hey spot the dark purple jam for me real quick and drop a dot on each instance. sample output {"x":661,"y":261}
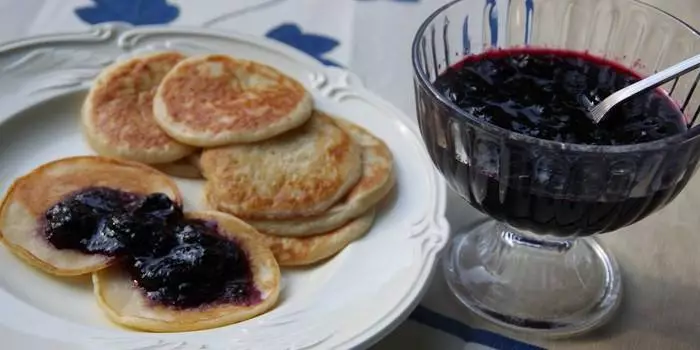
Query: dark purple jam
{"x":72,"y":223}
{"x":196,"y":267}
{"x":176,"y":261}
{"x":545,"y":94}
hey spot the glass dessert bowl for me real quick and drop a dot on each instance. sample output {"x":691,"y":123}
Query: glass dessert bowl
{"x":501,"y":93}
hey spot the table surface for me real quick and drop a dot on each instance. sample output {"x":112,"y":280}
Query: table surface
{"x":372,"y":38}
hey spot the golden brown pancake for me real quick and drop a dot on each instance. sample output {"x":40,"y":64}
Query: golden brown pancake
{"x":187,"y":167}
{"x":117,"y":115}
{"x":216,"y":100}
{"x":300,"y":173}
{"x":298,"y":251}
{"x":376,"y":182}
{"x":28,"y":198}
{"x":126,"y":305}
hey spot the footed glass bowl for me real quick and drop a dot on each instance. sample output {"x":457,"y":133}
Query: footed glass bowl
{"x":535,"y":266}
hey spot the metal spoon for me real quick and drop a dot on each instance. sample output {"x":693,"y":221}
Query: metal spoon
{"x":597,"y":112}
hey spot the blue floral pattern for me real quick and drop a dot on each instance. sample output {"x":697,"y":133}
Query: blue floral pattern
{"x":315,"y":45}
{"x":136,"y":12}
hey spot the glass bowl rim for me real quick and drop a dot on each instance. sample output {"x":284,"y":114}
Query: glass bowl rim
{"x":425,"y":84}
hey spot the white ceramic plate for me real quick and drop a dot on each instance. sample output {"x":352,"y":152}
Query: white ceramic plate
{"x":348,"y":302}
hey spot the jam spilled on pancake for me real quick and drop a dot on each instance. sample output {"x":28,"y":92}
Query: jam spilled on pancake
{"x":176,"y":261}
{"x":72,"y":222}
{"x":546,"y":94}
{"x":196,"y":267}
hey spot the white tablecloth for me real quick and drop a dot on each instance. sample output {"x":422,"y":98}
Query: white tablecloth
{"x":370,"y":37}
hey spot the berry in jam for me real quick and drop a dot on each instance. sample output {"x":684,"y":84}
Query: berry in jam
{"x":176,"y":261}
{"x":546,"y":94}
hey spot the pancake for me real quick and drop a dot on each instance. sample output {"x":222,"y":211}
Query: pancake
{"x":126,"y":305}
{"x":28,"y":198}
{"x":376,"y":181}
{"x":187,"y":167}
{"x":216,"y":100}
{"x":298,"y":251}
{"x":117,"y":115}
{"x":300,"y":173}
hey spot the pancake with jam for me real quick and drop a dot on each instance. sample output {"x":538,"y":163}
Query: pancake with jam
{"x":49,"y":217}
{"x":117,"y":115}
{"x":300,"y":173}
{"x":299,"y":251}
{"x":214,"y":272}
{"x":216,"y":100}
{"x":376,"y":182}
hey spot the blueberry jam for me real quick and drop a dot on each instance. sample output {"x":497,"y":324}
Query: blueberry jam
{"x":196,"y":267}
{"x":176,"y":261}
{"x":73,"y":222}
{"x":545,"y":94}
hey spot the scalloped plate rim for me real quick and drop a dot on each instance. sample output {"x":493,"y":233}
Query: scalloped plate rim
{"x":438,"y":224}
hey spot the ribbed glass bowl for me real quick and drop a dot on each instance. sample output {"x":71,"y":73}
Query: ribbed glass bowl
{"x":530,"y":269}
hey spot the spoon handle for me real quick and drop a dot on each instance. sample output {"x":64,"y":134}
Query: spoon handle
{"x":600,"y":110}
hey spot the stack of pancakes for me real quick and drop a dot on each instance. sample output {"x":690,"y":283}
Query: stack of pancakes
{"x":307,"y":181}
